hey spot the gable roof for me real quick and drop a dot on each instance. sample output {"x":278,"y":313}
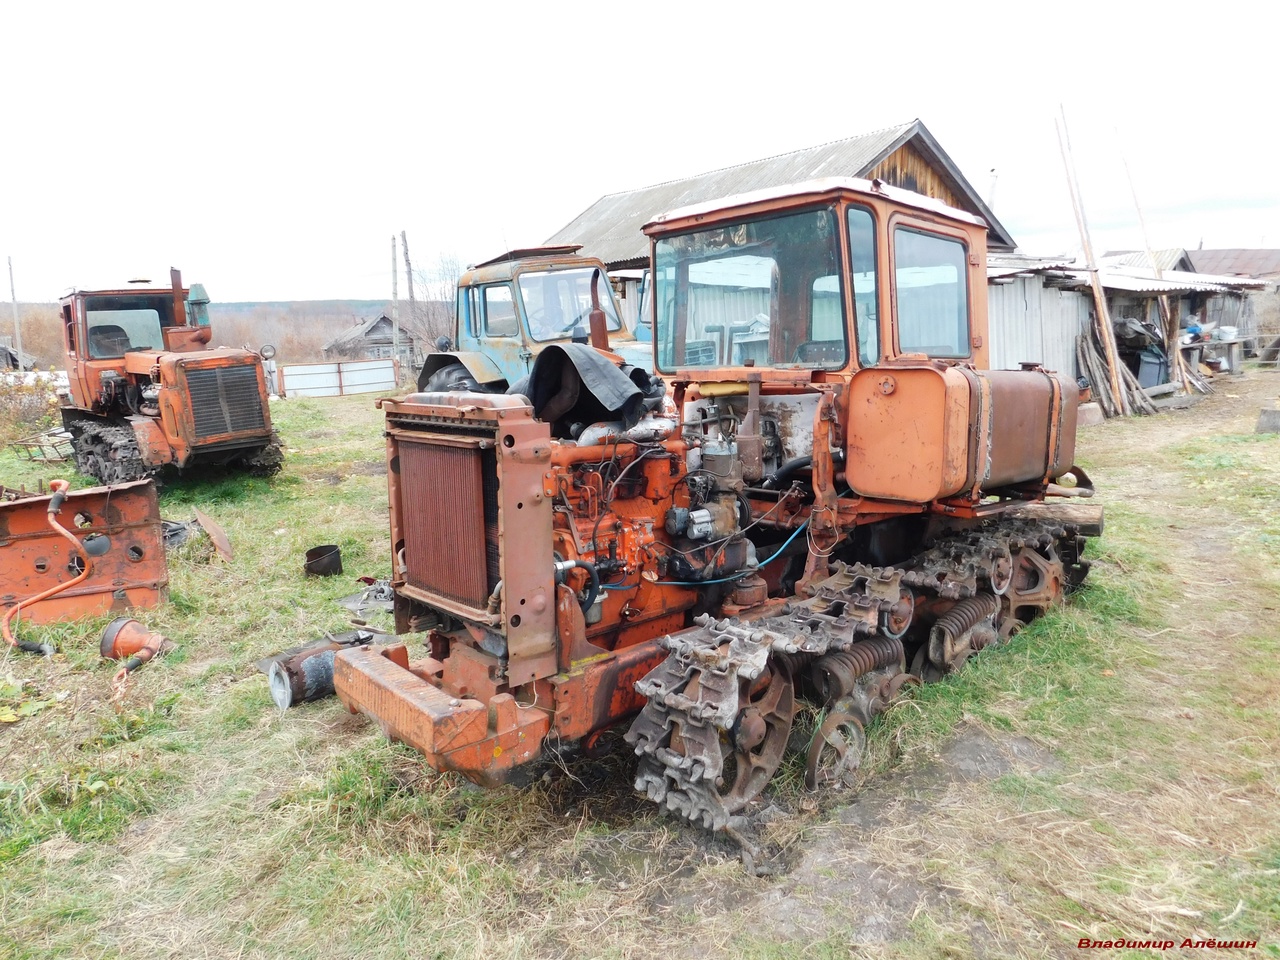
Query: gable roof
{"x":1237,"y":261}
{"x":610,"y":227}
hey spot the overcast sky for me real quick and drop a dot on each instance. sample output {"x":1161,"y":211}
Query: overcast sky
{"x":271,"y":150}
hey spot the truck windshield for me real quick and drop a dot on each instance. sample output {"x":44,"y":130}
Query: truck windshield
{"x":557,"y":303}
{"x":766,"y":292}
{"x":117,"y":325}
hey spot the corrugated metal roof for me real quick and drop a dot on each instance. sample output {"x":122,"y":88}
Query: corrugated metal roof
{"x":1012,"y":264}
{"x":1139,"y":280}
{"x":1237,"y":261}
{"x":1169,"y":259}
{"x":611,"y":227}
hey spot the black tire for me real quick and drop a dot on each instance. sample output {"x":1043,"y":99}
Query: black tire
{"x":452,"y":378}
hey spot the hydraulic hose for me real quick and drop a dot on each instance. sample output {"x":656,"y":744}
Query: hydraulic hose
{"x":593,"y":588}
{"x":784,"y":472}
{"x":59,"y":488}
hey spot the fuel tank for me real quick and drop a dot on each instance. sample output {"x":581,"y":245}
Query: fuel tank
{"x":923,"y":431}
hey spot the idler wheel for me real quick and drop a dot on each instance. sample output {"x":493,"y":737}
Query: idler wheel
{"x":895,"y":621}
{"x":1001,"y":572}
{"x":836,"y":753}
{"x":759,"y":739}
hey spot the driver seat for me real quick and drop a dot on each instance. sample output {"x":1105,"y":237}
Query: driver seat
{"x":108,"y":340}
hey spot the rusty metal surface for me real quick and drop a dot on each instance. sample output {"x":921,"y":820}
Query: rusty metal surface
{"x":480,"y":463}
{"x":221,"y":543}
{"x":445,"y":533}
{"x":121,"y":521}
{"x":484,"y":741}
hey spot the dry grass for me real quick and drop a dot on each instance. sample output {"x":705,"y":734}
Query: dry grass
{"x":1112,"y":771}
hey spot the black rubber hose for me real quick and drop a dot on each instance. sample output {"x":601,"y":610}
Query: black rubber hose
{"x":784,"y":472}
{"x":593,"y":588}
{"x":44,"y":649}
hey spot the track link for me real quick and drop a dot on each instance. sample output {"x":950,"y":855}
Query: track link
{"x":108,"y":453}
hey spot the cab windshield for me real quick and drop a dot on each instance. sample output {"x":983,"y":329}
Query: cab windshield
{"x":765,"y":293}
{"x":117,"y":325}
{"x":557,"y":303}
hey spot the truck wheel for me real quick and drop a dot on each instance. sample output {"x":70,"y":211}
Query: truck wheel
{"x":454,"y":378}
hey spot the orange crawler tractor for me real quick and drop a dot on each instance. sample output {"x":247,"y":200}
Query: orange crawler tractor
{"x":819,"y":507}
{"x":146,"y":391}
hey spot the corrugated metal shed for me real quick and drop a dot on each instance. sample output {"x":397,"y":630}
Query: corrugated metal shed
{"x":611,"y":227}
{"x":1237,"y":261}
{"x":1029,"y":322}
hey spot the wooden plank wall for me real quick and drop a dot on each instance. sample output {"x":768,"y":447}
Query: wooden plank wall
{"x":907,"y":168}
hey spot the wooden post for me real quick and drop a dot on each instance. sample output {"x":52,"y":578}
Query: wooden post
{"x":408,"y":277}
{"x":17,"y":325}
{"x":395,"y":304}
{"x":1106,"y":336}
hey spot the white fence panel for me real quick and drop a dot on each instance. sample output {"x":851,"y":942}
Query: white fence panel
{"x":338,"y":379}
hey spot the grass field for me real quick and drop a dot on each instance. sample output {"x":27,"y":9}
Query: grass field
{"x":1112,"y":772}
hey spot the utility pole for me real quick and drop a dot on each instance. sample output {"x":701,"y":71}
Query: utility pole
{"x":408,"y":276}
{"x":17,"y":327}
{"x":395,"y":303}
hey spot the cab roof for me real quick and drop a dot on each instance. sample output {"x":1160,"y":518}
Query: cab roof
{"x":826,"y":187}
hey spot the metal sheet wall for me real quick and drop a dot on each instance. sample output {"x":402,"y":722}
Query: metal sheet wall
{"x":338,"y":379}
{"x":1032,"y":322}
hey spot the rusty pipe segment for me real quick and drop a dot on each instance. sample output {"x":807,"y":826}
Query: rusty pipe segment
{"x":305,"y":673}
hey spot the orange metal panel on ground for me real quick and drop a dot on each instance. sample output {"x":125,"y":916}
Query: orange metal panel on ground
{"x":121,"y":524}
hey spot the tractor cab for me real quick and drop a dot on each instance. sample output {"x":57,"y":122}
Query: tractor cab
{"x":511,"y":307}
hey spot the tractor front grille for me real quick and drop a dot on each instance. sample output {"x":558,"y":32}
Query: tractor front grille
{"x":449,"y":498}
{"x":225,"y":400}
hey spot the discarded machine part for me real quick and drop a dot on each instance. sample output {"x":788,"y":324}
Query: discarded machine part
{"x":306,"y":673}
{"x":323,"y":561}
{"x":377,"y":597}
{"x":52,"y":446}
{"x":9,"y":494}
{"x":219,"y":536}
{"x":117,"y":561}
{"x":81,"y":554}
{"x":822,"y":511}
{"x":179,"y":532}
{"x":127,"y":639}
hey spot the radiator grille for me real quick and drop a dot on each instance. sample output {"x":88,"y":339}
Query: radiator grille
{"x":450,"y":523}
{"x":225,"y":400}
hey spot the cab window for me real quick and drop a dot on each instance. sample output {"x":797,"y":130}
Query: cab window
{"x":500,"y":311}
{"x":862,"y":250}
{"x":933,"y":293}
